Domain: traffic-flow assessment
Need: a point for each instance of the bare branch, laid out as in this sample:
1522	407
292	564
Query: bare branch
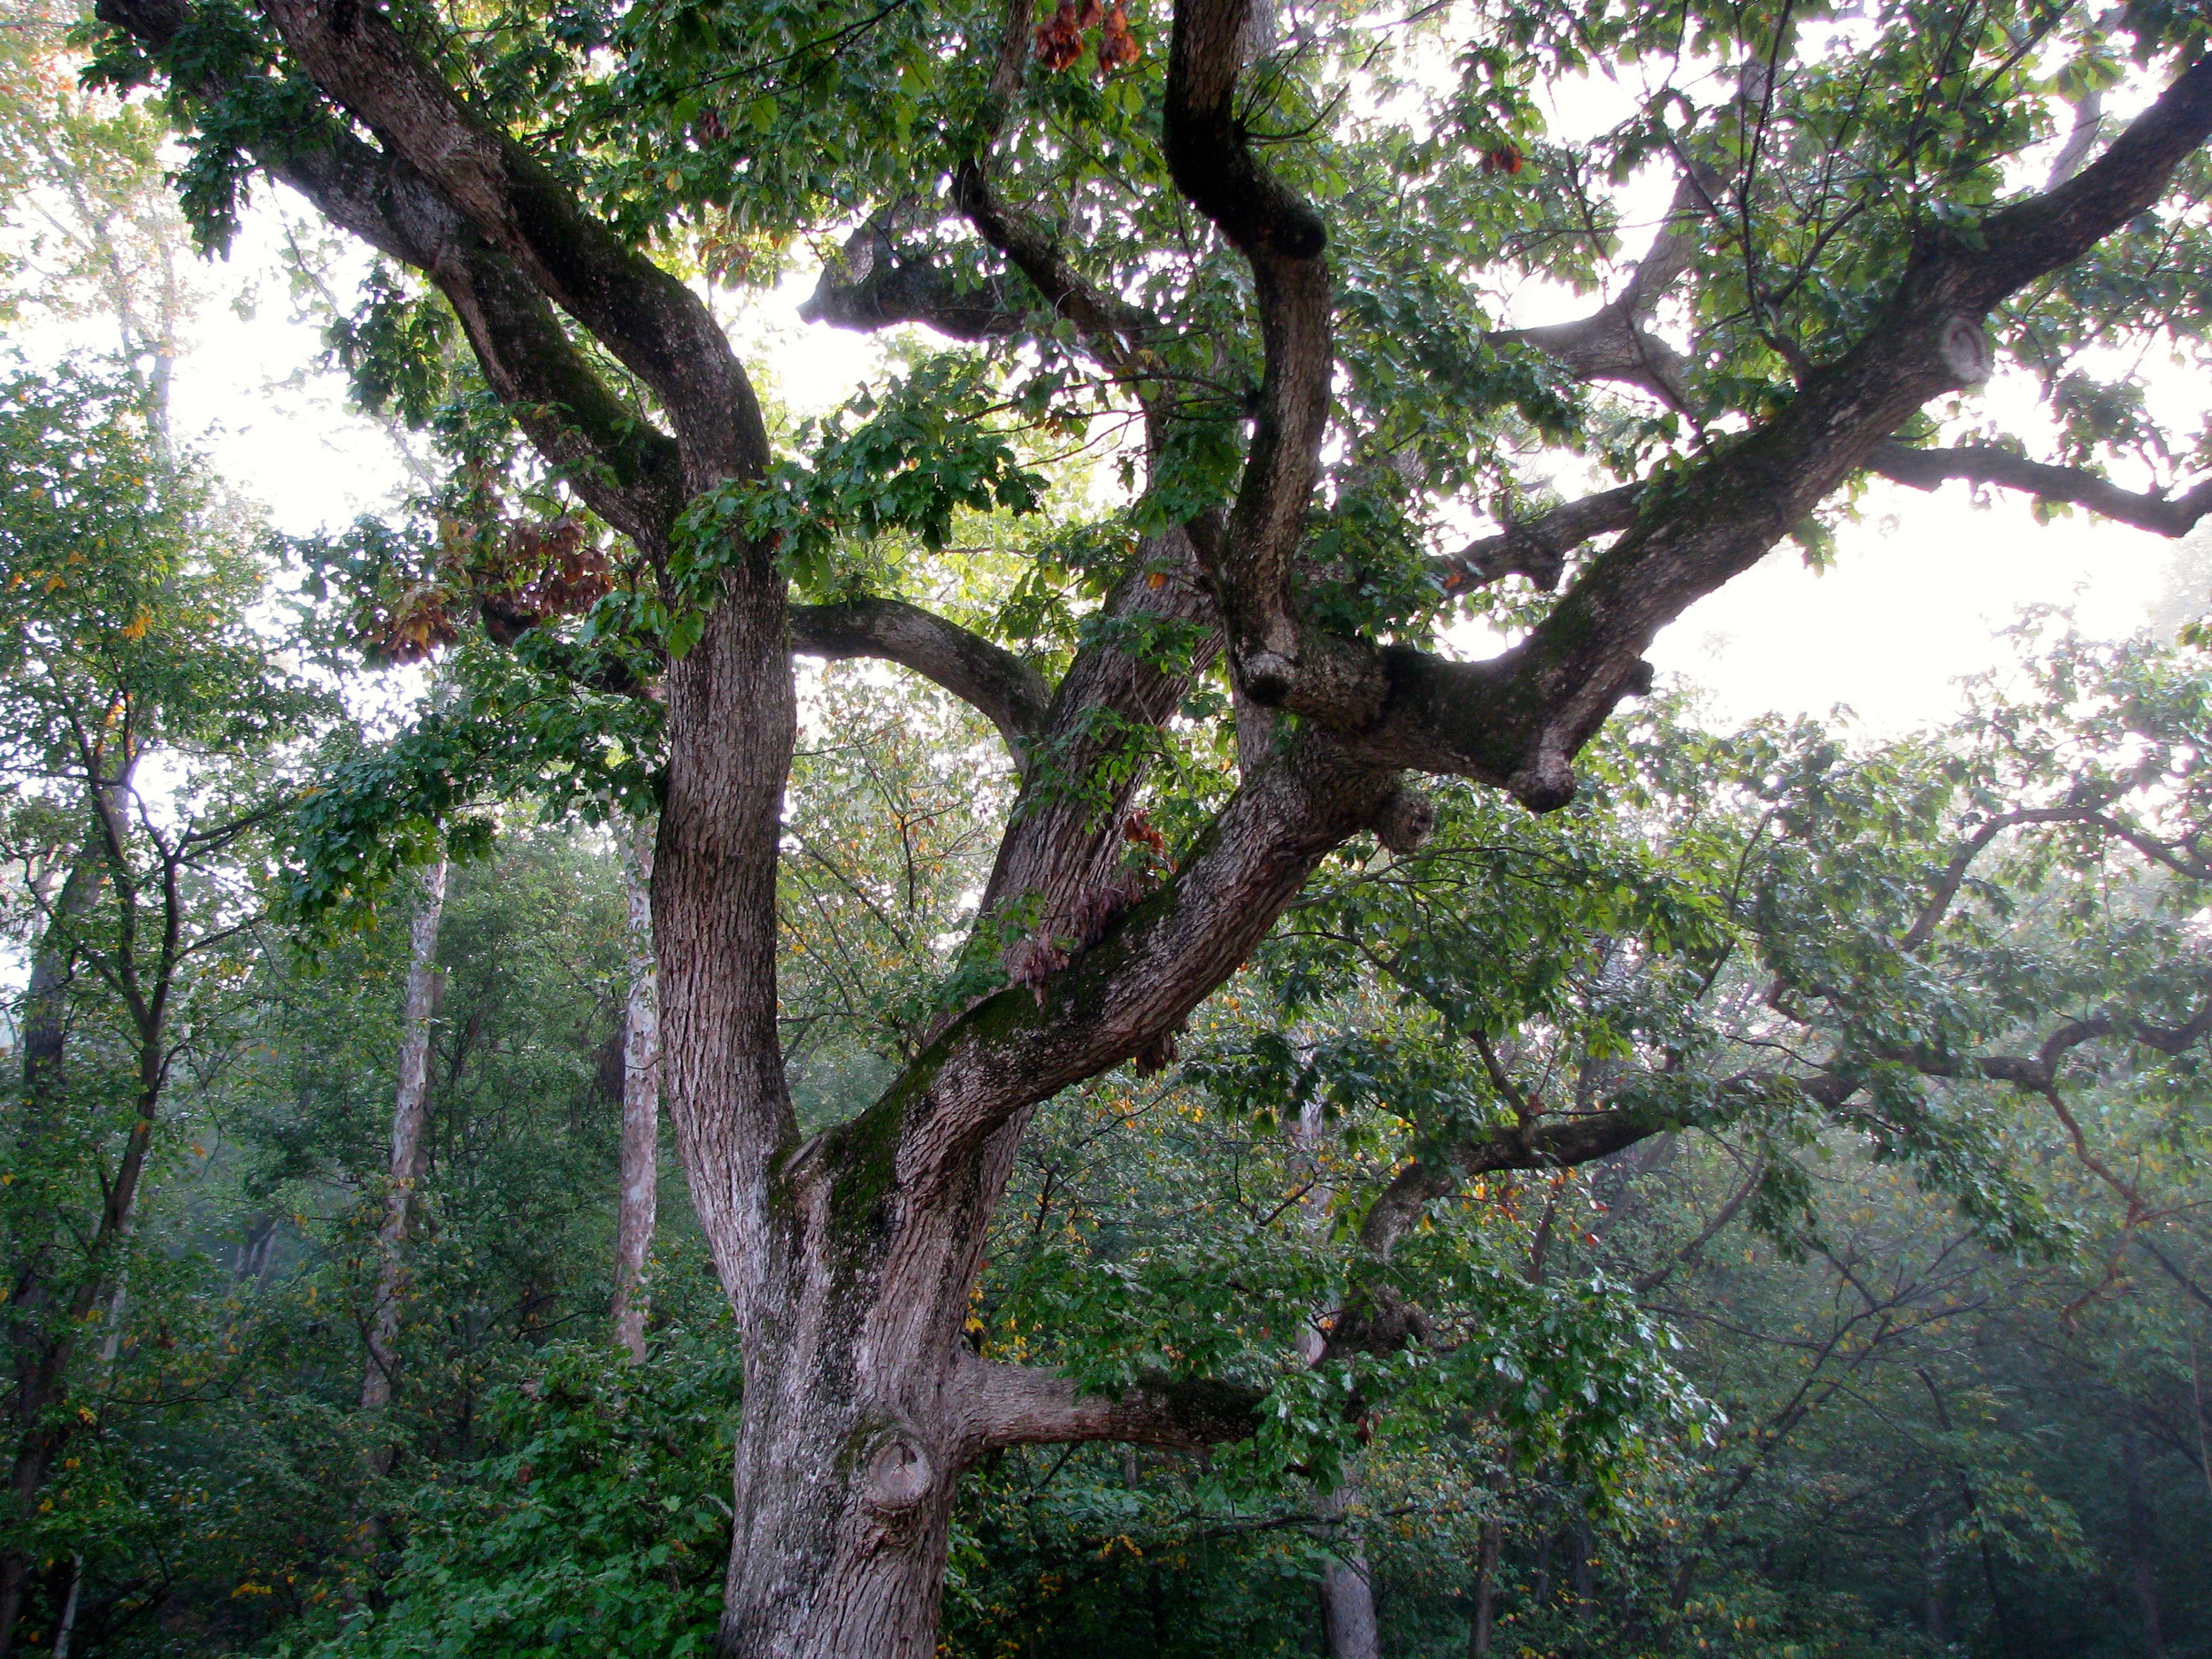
1612	344
1002	1405
992	680
1133	986
1538	547
1986	464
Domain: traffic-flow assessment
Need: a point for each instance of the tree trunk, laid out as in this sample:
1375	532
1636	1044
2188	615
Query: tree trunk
41	1314
407	1120
640	1105
2142	1574
1935	1567
854	1432
1347	1591
1484	1629
1348	1603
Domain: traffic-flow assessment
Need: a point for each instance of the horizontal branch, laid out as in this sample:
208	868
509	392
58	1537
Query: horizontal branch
1560	1144
1986	464
870	285
1000	1405
1610	345
986	677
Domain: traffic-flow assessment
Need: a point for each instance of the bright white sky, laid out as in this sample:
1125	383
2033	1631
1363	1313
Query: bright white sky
1918	587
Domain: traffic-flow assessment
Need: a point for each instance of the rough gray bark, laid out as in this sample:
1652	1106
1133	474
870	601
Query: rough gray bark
639	1202
410	1101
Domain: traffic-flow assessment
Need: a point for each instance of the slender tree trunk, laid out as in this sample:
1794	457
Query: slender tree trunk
2142	1574
1485	1628
407	1120
640	1105
1348	1597
43	1315
68	1626
1936	1566
1347	1591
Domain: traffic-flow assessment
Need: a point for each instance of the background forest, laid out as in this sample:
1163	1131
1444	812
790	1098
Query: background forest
342	1321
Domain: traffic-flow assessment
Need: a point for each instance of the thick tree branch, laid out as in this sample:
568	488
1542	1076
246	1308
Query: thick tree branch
646	318
872	286
2024	242
1517	720
1131	987
1282	238
1520	719
1986	464
1559	1144
625	469
988	677
1613	343
1154	635
1001	1405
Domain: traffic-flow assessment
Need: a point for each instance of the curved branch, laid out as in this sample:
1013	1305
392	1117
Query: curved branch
628	471
1609	344
1148	967
1001	1405
1558	1145
1282	238
1986	464
648	318
1612	344
988	677
1107	323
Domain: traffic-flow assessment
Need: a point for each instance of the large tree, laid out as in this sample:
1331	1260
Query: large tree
1260	251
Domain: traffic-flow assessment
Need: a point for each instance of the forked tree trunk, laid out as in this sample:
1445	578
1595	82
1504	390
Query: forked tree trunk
408	1107
640	1104
850	1257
